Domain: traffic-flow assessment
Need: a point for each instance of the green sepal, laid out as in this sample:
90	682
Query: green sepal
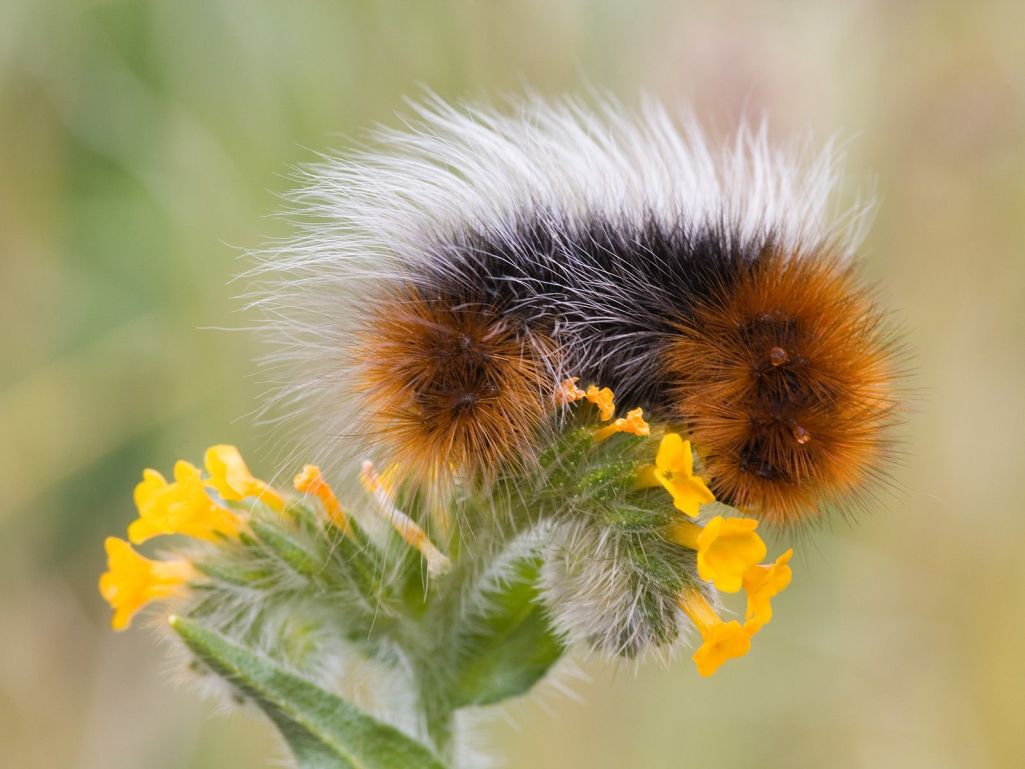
357	556
508	648
322	730
239	574
288	549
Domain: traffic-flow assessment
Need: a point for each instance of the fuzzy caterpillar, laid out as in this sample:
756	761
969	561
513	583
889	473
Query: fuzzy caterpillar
444	281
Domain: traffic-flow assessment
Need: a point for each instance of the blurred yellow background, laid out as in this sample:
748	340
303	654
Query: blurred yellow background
144	143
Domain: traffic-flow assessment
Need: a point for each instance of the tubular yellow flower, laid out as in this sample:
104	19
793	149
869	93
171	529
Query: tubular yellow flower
722	640
674	471
762	583
727	548
633	423
404	526
132	581
604	400
232	479
310	481
568	392
182	507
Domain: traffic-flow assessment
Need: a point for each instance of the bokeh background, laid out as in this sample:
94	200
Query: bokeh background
145	143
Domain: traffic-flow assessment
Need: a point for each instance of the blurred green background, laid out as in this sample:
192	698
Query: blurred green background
143	143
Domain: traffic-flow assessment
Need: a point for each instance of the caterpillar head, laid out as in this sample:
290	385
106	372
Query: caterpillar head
784	379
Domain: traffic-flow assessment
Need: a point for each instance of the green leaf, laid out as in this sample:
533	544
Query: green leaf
508	648
323	730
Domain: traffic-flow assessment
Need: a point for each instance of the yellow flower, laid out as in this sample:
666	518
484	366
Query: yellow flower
674	470
232	479
604	400
132	581
568	392
762	583
721	640
724	641
310	481
727	548
633	423
379	486
182	507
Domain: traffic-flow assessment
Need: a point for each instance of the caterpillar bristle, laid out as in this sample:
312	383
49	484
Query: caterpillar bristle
453	388
457	273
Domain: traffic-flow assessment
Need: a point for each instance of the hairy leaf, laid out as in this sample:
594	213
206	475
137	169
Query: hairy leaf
323	730
507	648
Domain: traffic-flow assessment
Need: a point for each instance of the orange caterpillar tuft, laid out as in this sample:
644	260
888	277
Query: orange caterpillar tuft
784	379
454	388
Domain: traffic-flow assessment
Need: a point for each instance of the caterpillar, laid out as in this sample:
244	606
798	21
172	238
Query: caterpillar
445	279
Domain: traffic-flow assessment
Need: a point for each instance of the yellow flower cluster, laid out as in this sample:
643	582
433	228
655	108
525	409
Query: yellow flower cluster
729	550
729	553
568	392
180	507
186	507
605	401
183	507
